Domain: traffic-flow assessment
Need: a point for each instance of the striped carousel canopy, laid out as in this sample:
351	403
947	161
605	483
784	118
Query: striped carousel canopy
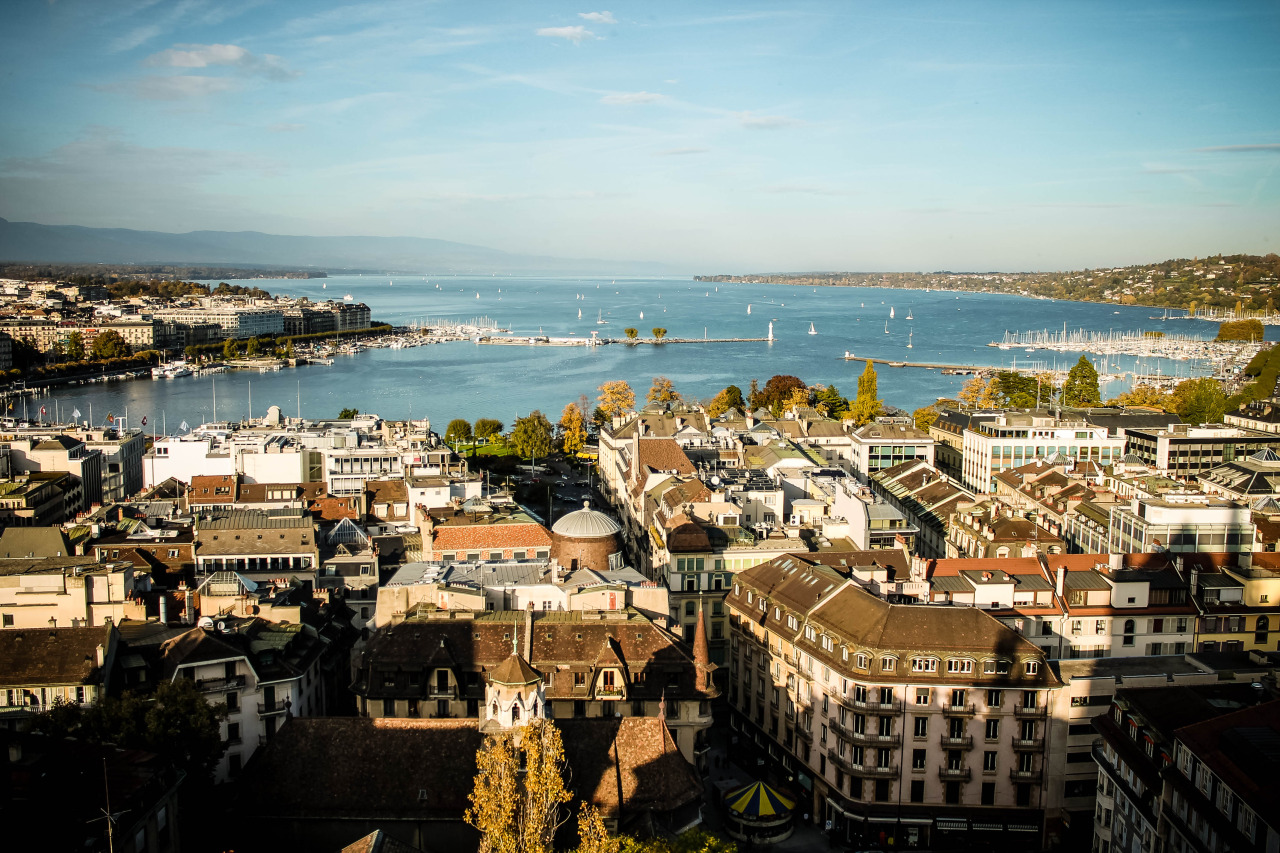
758	800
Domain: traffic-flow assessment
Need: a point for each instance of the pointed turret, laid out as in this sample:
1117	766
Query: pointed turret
702	655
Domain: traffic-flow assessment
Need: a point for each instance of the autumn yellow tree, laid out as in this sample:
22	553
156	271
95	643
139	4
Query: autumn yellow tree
1142	395
573	428
593	836
798	397
519	811
729	398
866	406
662	391
616	398
979	393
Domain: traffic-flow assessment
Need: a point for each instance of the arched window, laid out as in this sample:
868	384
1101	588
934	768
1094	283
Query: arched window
1129	628
515	711
533	712
494	712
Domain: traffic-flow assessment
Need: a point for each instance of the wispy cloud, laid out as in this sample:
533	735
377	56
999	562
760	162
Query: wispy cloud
598	17
631	98
1156	169
226	55
1265	147
680	152
576	34
178	88
286	127
751	121
808	189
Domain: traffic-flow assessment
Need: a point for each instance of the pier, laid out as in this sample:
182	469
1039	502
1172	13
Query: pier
1157	379
547	341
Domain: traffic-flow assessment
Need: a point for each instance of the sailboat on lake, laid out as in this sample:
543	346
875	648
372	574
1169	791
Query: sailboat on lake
600	320
812	330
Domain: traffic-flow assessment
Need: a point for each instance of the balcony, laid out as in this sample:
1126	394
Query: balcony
875	705
220	685
1025	776
964	709
1028	744
269	709
804	734
870	771
611	691
878	740
962	742
955	774
1030	712
839	728
435	691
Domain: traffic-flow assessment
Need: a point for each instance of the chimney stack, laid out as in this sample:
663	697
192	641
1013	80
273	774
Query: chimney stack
164	607
1061	585
528	632
1115	562
1195	579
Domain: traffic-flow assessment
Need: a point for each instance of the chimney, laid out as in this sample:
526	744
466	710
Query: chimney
164	607
1115	562
528	632
1060	587
1244	561
1195	579
751	420
102	655
189	607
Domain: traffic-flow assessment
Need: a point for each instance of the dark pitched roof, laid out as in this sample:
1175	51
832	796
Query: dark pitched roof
50	656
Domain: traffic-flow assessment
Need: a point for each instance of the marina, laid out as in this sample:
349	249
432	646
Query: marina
447	359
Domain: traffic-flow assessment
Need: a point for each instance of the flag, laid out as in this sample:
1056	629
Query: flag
111	418
184	427
43	411
144	420
75	414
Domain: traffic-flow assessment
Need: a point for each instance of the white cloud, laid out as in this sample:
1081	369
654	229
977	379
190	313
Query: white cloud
574	34
228	55
758	122
680	152
155	88
631	98
598	17
1266	147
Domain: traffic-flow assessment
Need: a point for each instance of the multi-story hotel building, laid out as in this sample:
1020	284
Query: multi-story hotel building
1012	439
916	721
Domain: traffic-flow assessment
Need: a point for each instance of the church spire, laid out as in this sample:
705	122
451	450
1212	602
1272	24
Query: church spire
702	653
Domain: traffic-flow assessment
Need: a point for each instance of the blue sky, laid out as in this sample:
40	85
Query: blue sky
713	137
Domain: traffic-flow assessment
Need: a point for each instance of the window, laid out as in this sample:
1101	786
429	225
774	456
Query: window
993	730
1128	632
888	664
1033	667
924	664
233	702
995	698
988	793
921	727
233	732
989	761
917	790
922	695
828	645
860	661
918	758
960	665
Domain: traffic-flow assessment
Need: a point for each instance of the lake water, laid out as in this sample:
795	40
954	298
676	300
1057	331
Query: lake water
471	381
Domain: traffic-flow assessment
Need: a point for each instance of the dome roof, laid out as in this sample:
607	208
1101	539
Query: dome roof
585	523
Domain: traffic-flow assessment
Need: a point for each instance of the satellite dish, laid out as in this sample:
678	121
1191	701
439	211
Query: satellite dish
715	479
205	622
222	626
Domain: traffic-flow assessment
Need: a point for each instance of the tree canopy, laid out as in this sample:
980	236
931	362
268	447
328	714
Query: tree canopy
729	398
573	428
662	392
776	392
487	428
659	333
616	398
110	344
1199	401
866	406
458	430
1081	387
517	802
347	414
531	435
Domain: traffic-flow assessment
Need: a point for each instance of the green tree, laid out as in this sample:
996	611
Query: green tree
631	333
753	394
659	333
1199	401
347	414
531	435
573	428
662	392
110	344
1141	395
1081	387
458	431
75	346
487	428
828	396
253	349
866	406
229	348
729	398
777	391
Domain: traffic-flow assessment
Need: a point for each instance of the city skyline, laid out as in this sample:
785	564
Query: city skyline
721	138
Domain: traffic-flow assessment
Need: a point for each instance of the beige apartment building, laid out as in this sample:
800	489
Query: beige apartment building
914	723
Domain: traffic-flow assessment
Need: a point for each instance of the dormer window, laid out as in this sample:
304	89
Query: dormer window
924	664
959	665
1033	667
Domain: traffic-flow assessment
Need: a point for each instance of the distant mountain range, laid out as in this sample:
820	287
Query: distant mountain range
33	242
